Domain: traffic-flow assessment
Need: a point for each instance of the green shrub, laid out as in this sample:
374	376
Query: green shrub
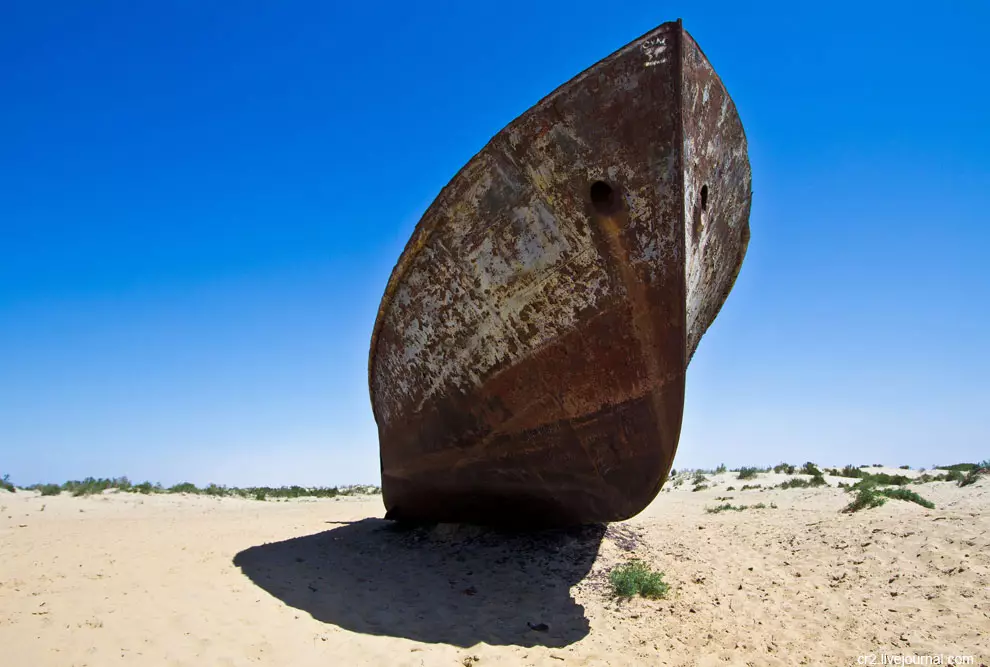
850	471
884	479
951	476
869	496
747	487
908	495
636	578
92	485
959	467
730	488
969	478
729	507
905	467
699	478
6	485
184	487
866	498
48	489
720	469
700	487
810	468
881	479
723	508
784	468
747	473
799	483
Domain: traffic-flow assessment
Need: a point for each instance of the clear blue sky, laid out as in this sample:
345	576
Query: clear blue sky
201	201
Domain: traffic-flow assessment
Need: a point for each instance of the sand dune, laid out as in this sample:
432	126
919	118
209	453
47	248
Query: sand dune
191	580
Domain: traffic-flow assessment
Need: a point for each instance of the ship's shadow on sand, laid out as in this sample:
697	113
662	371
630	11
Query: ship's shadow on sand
446	584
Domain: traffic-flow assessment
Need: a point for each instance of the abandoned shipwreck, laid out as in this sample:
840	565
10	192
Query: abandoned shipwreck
528	359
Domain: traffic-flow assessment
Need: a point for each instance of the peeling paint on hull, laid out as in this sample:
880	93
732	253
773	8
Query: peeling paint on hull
527	363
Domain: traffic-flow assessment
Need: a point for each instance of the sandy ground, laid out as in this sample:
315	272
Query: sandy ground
187	580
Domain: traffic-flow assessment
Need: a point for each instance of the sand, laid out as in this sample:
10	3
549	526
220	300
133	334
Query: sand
190	580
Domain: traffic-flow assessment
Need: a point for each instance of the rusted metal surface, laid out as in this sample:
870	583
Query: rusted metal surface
527	364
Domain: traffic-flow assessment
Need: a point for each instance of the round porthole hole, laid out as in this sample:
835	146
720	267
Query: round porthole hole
603	198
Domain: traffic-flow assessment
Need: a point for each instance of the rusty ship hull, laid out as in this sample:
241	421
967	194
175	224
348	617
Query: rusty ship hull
528	359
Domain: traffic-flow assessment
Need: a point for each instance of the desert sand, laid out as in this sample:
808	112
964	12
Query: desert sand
191	580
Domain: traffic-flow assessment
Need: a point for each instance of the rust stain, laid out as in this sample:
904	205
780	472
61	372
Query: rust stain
643	319
527	362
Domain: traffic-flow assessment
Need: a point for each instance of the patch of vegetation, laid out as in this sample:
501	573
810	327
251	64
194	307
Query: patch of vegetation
635	578
748	473
720	469
959	467
91	485
881	479
784	468
867	498
908	495
970	478
951	476
700	487
725	507
673	473
699	478
747	487
147	488
730	488
810	468
729	507
801	483
851	471
184	487
905	467
6	485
